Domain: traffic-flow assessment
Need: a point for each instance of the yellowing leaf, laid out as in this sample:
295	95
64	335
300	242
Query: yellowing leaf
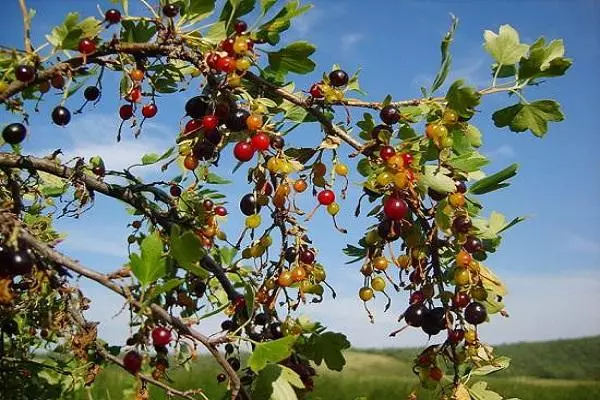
491	282
461	393
504	46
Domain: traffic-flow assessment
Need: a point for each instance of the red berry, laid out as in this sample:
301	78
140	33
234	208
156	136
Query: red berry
220	211
193	125
243	151
408	159
135	95
132	362
240	26
436	373
149	110
112	16
261	141
212	60
315	91
326	197
386	152
395	208
307	256
460	300
126	111
227	45
175	191
456	335
417	297
210	122
226	64
161	336
87	46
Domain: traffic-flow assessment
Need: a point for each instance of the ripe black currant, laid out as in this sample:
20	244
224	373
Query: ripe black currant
196	107
475	313
24	72
389	114
237	120
91	93
338	78
461	224
61	115
170	10
473	244
248	204
415	314
14	133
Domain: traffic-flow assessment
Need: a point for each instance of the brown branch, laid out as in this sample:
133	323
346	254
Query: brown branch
51	254
125	194
79	319
26	26
328	125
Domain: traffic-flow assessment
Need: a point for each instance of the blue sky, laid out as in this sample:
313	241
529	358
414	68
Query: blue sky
550	262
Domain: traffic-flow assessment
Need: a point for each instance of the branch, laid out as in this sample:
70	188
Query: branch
49	253
26	26
329	127
80	320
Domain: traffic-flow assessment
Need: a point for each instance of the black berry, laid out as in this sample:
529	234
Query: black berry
338	78
415	314
196	107
389	114
61	116
14	133
91	93
475	313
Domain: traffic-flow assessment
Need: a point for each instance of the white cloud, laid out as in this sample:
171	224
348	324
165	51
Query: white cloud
579	243
95	134
350	39
306	22
504	151
470	69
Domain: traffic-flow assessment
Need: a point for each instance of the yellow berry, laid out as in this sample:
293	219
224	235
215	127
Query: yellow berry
253	221
380	263
378	284
243	64
341	169
365	293
456	200
450	117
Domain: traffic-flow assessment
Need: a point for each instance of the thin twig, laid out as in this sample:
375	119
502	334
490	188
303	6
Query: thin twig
26	26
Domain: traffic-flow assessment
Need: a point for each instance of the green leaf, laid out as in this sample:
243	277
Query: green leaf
479	391
227	254
406	132
544	61
435	178
364	167
473	134
533	116
215	179
468	162
270	30
67	35
234	9
498	364
52	186
293	58
197	10
301	154
357	252
164	288
462	99
137	32
446	57
326	347
265	5
296	113
271	352
186	249
151	266
153	158
276	382
216	32
495	181
504	46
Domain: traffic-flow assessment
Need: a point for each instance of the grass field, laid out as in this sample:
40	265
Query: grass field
557	370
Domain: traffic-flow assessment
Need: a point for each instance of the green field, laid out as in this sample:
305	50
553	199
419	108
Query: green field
561	370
